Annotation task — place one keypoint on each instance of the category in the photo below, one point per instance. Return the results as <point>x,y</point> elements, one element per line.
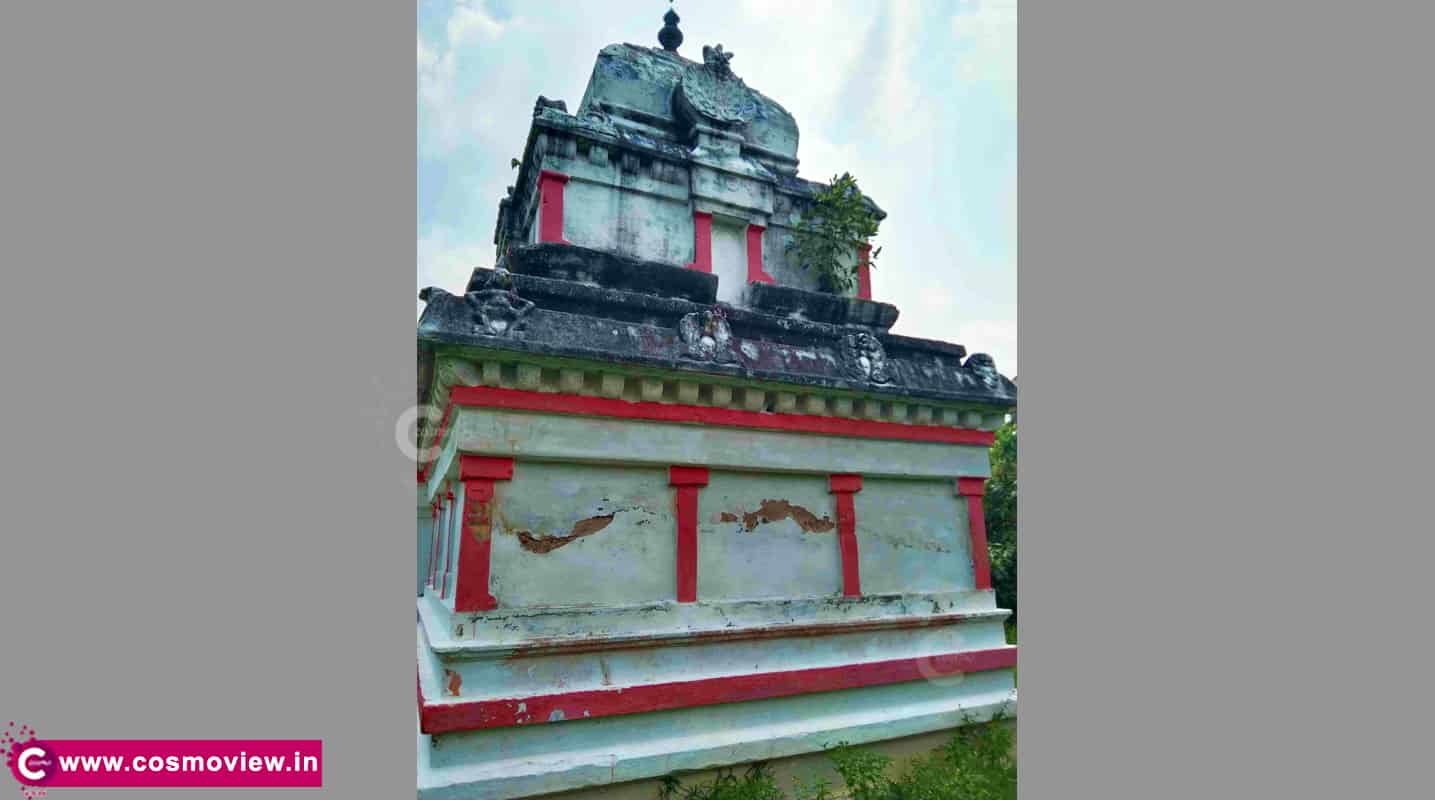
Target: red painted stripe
<point>847,542</point>
<point>981,563</point>
<point>845,486</point>
<point>433,542</point>
<point>864,272</point>
<point>550,214</point>
<point>687,508</point>
<point>687,476</point>
<point>973,489</point>
<point>687,480</point>
<point>477,714</point>
<point>845,483</point>
<point>438,543</point>
<point>521,400</point>
<point>494,468</point>
<point>755,272</point>
<point>475,548</point>
<point>702,242</point>
<point>971,486</point>
<point>447,544</point>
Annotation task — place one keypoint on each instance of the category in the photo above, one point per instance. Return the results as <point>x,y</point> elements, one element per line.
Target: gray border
<point>208,318</point>
<point>1216,204</point>
<point>207,313</point>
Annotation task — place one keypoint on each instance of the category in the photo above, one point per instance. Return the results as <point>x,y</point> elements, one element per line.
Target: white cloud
<point>471,23</point>
<point>986,31</point>
<point>894,112</point>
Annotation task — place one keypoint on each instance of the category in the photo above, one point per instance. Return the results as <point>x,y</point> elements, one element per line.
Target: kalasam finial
<point>670,37</point>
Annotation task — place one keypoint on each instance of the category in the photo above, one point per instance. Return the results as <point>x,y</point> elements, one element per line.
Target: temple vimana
<point>686,506</point>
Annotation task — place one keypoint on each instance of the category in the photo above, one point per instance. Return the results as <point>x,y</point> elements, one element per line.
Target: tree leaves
<point>836,225</point>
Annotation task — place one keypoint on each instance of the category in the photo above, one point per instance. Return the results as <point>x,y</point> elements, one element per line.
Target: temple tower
<point>685,509</point>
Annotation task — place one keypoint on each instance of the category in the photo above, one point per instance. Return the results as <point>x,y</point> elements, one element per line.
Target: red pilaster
<point>550,205</point>
<point>436,561</point>
<point>702,242</point>
<point>864,272</point>
<point>478,474</point>
<point>433,541</point>
<point>846,487</point>
<point>687,481</point>
<point>447,519</point>
<point>755,273</point>
<point>973,489</point>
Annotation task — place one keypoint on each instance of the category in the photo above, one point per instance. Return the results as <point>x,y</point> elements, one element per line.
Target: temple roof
<point>568,301</point>
<point>665,94</point>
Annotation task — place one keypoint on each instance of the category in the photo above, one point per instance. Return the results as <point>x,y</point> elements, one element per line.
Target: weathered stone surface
<point>640,83</point>
<point>788,301</point>
<point>603,268</point>
<point>644,326</point>
<point>643,155</point>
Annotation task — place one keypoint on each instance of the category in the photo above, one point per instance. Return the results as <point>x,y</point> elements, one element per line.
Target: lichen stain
<point>775,510</point>
<point>454,681</point>
<point>542,543</point>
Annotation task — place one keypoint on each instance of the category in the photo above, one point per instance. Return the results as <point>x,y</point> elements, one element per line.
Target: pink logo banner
<point>164,763</point>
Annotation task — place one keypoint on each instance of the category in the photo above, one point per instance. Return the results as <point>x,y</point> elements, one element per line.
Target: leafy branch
<point>837,224</point>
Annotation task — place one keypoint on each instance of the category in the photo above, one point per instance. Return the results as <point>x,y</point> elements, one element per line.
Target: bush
<point>835,225</point>
<point>977,764</point>
<point>999,506</point>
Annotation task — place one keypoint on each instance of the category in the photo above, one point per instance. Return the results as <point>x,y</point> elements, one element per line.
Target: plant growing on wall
<point>838,222</point>
<point>1000,508</point>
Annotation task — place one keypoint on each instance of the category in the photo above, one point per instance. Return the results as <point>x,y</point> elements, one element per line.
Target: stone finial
<point>543,102</point>
<point>718,61</point>
<point>670,37</point>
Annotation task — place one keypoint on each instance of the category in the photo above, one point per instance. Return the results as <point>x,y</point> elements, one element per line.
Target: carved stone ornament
<point>864,358</point>
<point>544,103</point>
<point>497,312</point>
<point>714,92</point>
<point>706,335</point>
<point>984,368</point>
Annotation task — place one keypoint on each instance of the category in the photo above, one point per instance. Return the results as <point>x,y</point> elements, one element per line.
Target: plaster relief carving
<point>984,367</point>
<point>707,336</point>
<point>497,312</point>
<point>864,358</point>
<point>714,92</point>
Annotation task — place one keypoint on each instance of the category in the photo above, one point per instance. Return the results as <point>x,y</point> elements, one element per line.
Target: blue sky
<point>918,100</point>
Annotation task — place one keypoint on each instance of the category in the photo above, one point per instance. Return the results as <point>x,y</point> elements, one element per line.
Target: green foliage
<point>863,771</point>
<point>977,764</point>
<point>755,783</point>
<point>838,222</point>
<point>1000,507</point>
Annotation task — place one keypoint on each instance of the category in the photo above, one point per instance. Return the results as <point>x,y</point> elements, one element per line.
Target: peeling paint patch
<point>556,716</point>
<point>775,510</point>
<point>454,681</point>
<point>542,543</point>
